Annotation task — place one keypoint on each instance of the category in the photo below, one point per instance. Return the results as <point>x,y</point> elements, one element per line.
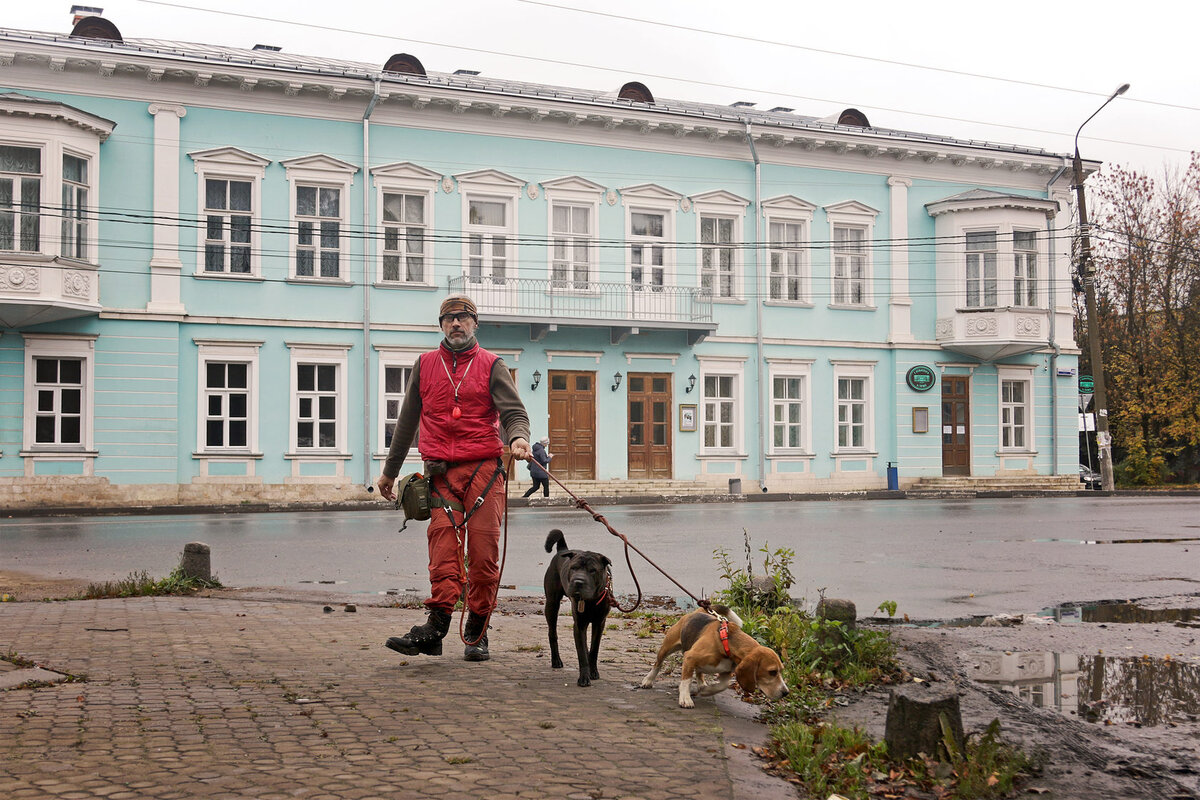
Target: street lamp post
<point>1087,272</point>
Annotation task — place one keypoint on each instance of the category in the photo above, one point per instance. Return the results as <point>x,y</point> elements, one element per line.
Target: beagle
<point>709,651</point>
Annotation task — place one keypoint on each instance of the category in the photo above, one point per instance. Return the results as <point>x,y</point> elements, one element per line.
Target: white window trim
<point>574,191</point>
<point>723,205</point>
<point>791,368</point>
<point>227,351</point>
<point>405,178</point>
<point>306,353</point>
<point>651,199</point>
<point>854,214</point>
<point>1025,375</point>
<point>61,346</point>
<point>866,371</point>
<point>1040,261</point>
<point>735,367</point>
<point>789,209</point>
<point>493,185</point>
<point>321,170</point>
<point>404,357</point>
<point>230,164</point>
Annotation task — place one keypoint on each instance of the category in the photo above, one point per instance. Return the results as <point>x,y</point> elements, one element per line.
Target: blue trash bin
<point>893,476</point>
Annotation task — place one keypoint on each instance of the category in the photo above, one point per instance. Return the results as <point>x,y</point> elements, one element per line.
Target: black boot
<point>423,639</point>
<point>476,625</point>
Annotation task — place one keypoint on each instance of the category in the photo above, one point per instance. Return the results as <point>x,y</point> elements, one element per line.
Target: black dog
<point>582,576</point>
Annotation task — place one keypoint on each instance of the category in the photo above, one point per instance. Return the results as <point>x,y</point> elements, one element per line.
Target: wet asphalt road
<point>937,559</point>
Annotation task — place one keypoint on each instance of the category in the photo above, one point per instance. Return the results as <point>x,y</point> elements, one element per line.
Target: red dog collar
<point>723,632</point>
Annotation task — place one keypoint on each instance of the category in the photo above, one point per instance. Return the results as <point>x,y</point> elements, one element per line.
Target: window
<point>787,413</point>
<point>228,213</point>
<point>318,231</point>
<point>228,398</point>
<point>854,424</point>
<point>571,228</point>
<point>58,389</point>
<point>849,265</point>
<point>316,406</point>
<point>58,393</point>
<point>229,181</point>
<point>981,269</point>
<point>1014,415</point>
<point>787,261</point>
<point>227,405</point>
<point>487,239</point>
<point>716,256</point>
<point>20,198</point>
<point>647,250</point>
<point>719,412</point>
<point>1025,277</point>
<point>395,385</point>
<point>404,229</point>
<point>74,207</point>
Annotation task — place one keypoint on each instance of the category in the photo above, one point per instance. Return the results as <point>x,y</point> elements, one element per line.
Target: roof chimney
<point>79,12</point>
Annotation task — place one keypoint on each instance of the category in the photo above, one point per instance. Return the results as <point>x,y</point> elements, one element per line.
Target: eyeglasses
<point>461,316</point>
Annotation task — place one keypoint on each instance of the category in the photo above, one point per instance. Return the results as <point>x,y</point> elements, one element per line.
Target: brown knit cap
<point>457,303</point>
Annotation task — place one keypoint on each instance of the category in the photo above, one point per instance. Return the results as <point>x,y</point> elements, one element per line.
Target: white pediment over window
<point>789,204</point>
<point>573,184</point>
<point>649,192</point>
<point>319,162</point>
<point>229,157</point>
<point>720,197</point>
<point>852,208</point>
<point>406,171</point>
<point>490,178</point>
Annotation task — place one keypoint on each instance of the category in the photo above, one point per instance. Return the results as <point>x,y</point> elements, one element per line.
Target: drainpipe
<point>760,294</point>
<point>368,472</point>
<point>1050,231</point>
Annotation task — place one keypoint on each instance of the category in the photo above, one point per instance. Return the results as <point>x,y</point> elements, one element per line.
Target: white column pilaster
<point>165,265</point>
<point>1060,272</point>
<point>900,301</point>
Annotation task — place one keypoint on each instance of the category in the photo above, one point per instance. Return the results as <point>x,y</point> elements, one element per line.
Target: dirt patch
<point>1086,759</point>
<point>23,587</point>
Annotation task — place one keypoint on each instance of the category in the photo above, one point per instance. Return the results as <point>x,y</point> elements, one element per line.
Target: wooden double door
<point>649,424</point>
<point>572,406</point>
<point>956,425</point>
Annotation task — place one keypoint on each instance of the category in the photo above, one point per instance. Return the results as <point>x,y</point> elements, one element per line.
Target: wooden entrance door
<point>649,424</point>
<point>956,425</point>
<point>572,398</point>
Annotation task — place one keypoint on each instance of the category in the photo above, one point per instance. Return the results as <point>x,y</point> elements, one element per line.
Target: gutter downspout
<point>760,294</point>
<point>1050,232</point>
<point>368,472</point>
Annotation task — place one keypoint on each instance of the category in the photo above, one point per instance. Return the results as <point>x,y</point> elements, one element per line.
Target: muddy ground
<point>1087,758</point>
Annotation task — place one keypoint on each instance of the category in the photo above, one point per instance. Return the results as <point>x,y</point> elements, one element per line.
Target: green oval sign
<point>920,378</point>
<point>1086,384</point>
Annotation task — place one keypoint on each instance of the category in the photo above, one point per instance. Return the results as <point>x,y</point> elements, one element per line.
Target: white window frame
<point>789,210</point>
<point>977,259</point>
<point>791,369</point>
<point>229,164</point>
<point>319,355</point>
<point>490,186</point>
<point>1022,376</point>
<point>574,192</point>
<point>320,171</point>
<point>650,199</point>
<point>60,347</point>
<point>1027,279</point>
<point>855,370</point>
<point>227,352</point>
<point>852,215</point>
<point>390,358</point>
<point>719,206</point>
<point>734,369</point>
<point>55,130</point>
<point>75,224</point>
<point>408,179</point>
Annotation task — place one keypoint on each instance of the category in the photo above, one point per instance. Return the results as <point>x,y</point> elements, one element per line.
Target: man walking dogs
<point>458,397</point>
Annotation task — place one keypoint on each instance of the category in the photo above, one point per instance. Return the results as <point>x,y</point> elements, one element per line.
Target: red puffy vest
<point>475,434</point>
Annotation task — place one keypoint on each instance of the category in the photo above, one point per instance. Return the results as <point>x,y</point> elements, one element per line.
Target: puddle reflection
<point>1101,689</point>
<point>1120,612</point>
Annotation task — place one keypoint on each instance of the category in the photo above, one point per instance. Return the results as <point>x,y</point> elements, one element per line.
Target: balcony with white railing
<point>624,308</point>
<point>36,288</point>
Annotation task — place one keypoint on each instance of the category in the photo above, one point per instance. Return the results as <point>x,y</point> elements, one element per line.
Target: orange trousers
<point>481,537</point>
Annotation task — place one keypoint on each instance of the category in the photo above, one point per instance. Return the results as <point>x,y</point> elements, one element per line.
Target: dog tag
<point>582,605</point>
<point>456,412</point>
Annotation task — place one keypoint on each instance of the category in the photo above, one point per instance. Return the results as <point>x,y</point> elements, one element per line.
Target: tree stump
<point>914,722</point>
<point>196,562</point>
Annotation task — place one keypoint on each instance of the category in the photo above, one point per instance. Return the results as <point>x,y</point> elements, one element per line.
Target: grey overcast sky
<point>1015,72</point>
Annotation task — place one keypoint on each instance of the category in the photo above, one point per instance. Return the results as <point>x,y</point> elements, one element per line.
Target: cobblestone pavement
<point>227,697</point>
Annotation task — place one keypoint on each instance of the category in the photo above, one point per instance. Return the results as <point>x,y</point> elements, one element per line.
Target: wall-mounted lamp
<point>616,381</point>
<point>537,379</point>
<point>691,384</point>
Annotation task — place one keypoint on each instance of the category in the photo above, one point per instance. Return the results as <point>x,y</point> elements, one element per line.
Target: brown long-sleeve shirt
<point>513,417</point>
